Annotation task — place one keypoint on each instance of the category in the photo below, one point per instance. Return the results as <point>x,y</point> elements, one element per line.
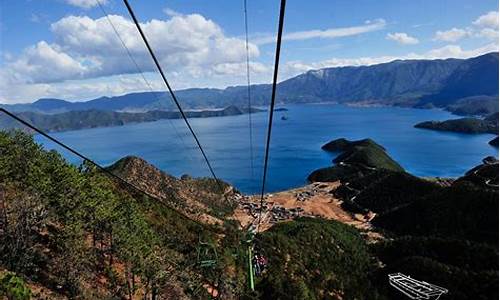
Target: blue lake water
<point>295,147</point>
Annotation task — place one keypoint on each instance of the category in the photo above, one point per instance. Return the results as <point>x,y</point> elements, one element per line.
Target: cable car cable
<point>271,107</point>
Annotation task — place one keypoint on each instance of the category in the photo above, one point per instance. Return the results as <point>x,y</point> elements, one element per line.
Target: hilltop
<point>363,156</point>
<point>199,198</point>
<point>465,86</point>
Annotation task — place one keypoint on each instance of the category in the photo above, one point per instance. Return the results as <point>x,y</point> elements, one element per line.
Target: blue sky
<point>67,49</point>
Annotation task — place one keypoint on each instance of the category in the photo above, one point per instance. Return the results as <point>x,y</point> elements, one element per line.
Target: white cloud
<point>485,26</point>
<point>489,20</point>
<point>237,69</point>
<point>35,18</point>
<point>488,33</point>
<point>193,51</point>
<point>43,62</point>
<point>422,25</point>
<point>89,48</point>
<point>402,38</point>
<point>170,12</point>
<point>451,35</point>
<point>86,4</point>
<point>331,33</point>
<point>455,51</point>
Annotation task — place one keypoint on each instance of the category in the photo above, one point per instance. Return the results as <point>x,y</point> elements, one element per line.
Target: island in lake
<point>75,120</point>
<point>465,125</point>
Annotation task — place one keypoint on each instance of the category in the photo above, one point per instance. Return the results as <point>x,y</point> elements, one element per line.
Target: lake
<point>295,147</point>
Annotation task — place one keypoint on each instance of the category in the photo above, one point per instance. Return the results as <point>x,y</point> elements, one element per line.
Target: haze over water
<point>295,147</point>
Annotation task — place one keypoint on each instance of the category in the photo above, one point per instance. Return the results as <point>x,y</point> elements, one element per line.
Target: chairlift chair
<point>206,255</point>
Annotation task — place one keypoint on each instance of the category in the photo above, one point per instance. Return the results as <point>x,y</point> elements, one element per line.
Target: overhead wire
<point>271,107</point>
<point>250,125</point>
<point>172,94</point>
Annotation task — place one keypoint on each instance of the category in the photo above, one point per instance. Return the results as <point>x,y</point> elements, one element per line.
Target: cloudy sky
<point>68,49</point>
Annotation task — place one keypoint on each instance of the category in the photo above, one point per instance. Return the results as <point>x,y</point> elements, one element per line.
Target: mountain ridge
<point>410,83</point>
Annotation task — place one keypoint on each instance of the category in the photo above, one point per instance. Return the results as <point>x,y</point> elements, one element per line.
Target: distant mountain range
<point>464,86</point>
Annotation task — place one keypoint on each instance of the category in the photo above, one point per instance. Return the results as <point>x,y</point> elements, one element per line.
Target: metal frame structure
<point>206,255</point>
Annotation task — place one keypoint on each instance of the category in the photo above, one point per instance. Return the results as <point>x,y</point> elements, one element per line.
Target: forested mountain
<point>70,232</point>
<point>313,258</point>
<point>448,83</point>
<point>443,231</point>
<point>475,76</point>
<point>74,120</point>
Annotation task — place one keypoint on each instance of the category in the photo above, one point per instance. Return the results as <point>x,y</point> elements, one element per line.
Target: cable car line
<point>250,129</point>
<point>251,240</point>
<point>271,107</point>
<point>174,98</point>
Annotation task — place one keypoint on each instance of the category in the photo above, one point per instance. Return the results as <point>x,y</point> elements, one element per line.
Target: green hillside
<point>356,159</point>
<point>77,234</point>
<point>315,259</point>
<point>382,190</point>
<point>468,270</point>
<point>464,211</point>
